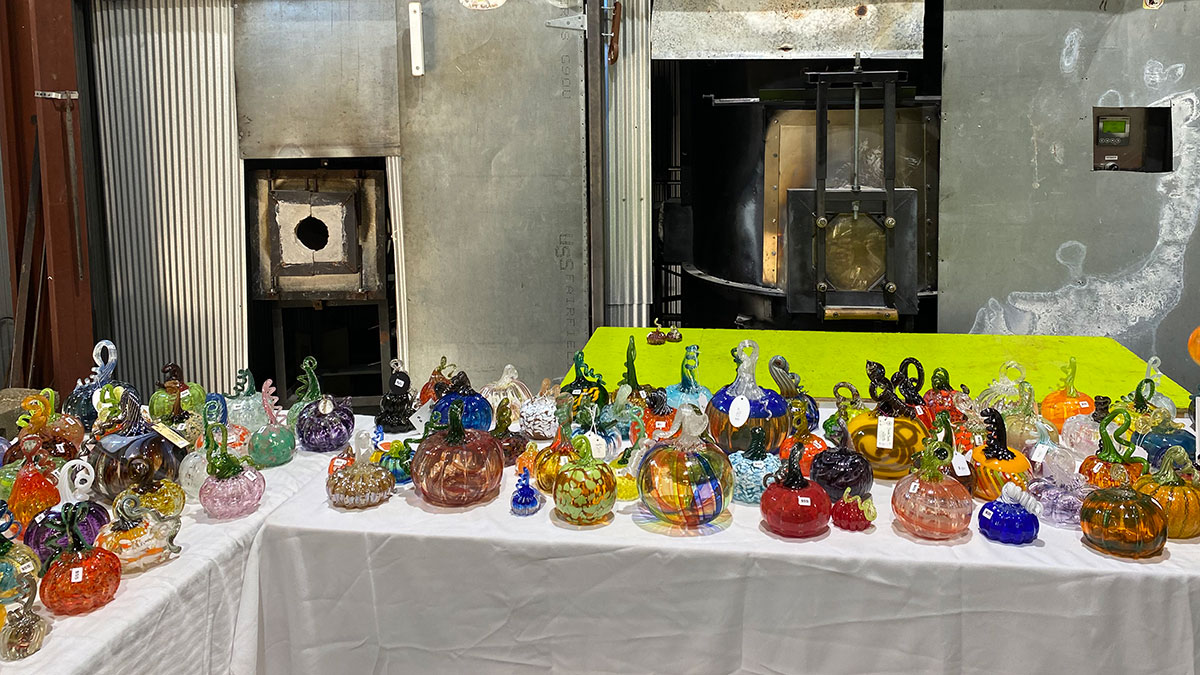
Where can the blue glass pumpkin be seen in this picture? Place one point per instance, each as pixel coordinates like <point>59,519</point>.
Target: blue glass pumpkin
<point>477,412</point>
<point>1158,441</point>
<point>767,408</point>
<point>1011,519</point>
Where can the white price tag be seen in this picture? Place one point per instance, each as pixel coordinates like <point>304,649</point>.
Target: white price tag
<point>804,501</point>
<point>916,485</point>
<point>885,433</point>
<point>660,424</point>
<point>986,513</point>
<point>421,416</point>
<point>26,567</point>
<point>76,575</point>
<point>1097,467</point>
<point>958,462</point>
<point>599,447</point>
<point>1039,452</point>
<point>169,434</point>
<point>739,411</point>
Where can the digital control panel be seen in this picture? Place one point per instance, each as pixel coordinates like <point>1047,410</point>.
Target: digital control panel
<point>1132,139</point>
<point>1111,130</point>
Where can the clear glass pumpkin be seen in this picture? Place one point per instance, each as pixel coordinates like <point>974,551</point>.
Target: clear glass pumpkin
<point>244,407</point>
<point>510,387</point>
<point>140,536</point>
<point>1060,490</point>
<point>23,631</point>
<point>362,484</point>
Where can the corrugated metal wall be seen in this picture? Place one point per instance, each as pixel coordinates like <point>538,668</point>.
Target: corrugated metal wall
<point>173,180</point>
<point>628,238</point>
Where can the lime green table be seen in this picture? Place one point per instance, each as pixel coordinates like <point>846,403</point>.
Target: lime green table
<point>822,359</point>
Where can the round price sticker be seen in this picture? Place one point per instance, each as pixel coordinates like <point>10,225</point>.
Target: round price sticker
<point>739,411</point>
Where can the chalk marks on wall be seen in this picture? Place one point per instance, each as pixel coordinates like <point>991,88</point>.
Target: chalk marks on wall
<point>1155,74</point>
<point>1072,43</point>
<point>1129,304</point>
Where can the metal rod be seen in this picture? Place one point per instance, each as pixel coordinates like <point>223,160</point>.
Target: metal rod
<point>857,106</point>
<point>73,183</point>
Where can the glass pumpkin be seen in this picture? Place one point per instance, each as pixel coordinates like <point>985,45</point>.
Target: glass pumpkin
<point>847,408</point>
<point>624,413</point>
<point>1179,498</point>
<point>74,479</point>
<point>841,468</point>
<point>538,415</point>
<point>244,406</point>
<point>109,413</point>
<point>526,501</point>
<point>509,387</point>
<point>658,415</point>
<point>1163,436</point>
<point>23,632</point>
<point>477,412</point>
<point>684,479</point>
<point>1023,424</point>
<point>852,512</point>
<point>941,397</point>
<point>587,385</point>
<point>801,439</point>
<point>1152,396</point>
<point>140,536</point>
<point>552,458</point>
<point>134,439</point>
<point>308,390</point>
<point>12,551</point>
<point>960,467</point>
<point>512,443</point>
<point>79,577</point>
<point>33,490</point>
<point>887,463</point>
<point>1066,402</point>
<point>585,489</point>
<point>232,489</point>
<point>996,463</point>
<point>1060,490</point>
<point>396,408</point>
<point>792,506</point>
<point>1081,433</point>
<point>166,497</point>
<point>527,459</point>
<point>603,439</point>
<point>791,390</point>
<point>1003,392</point>
<point>273,443</point>
<point>456,466</point>
<point>179,404</point>
<point>1097,469</point>
<point>1011,519</point>
<point>689,389</point>
<point>193,470</point>
<point>439,378</point>
<point>79,404</point>
<point>908,388</point>
<point>326,425</point>
<point>751,467</point>
<point>363,484</point>
<point>1123,522</point>
<point>59,435</point>
<point>729,423</point>
<point>929,505</point>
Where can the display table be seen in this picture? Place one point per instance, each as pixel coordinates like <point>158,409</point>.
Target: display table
<point>177,617</point>
<point>822,358</point>
<point>406,587</point>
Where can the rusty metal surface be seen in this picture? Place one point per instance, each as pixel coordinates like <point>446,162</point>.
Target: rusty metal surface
<point>783,29</point>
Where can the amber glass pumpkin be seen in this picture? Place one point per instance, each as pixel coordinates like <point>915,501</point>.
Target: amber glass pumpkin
<point>1098,469</point>
<point>439,379</point>
<point>996,463</point>
<point>1123,522</point>
<point>585,490</point>
<point>888,463</point>
<point>552,458</point>
<point>61,435</point>
<point>457,466</point>
<point>1179,498</point>
<point>742,405</point>
<point>927,503</point>
<point>1066,402</point>
<point>685,479</point>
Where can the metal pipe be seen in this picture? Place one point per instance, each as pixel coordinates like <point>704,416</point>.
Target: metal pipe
<point>857,102</point>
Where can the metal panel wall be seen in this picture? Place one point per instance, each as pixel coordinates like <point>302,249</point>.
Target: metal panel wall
<point>173,180</point>
<point>627,239</point>
<point>1031,239</point>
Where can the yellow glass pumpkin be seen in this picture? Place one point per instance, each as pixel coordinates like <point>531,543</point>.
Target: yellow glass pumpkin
<point>552,458</point>
<point>1179,498</point>
<point>996,463</point>
<point>908,433</point>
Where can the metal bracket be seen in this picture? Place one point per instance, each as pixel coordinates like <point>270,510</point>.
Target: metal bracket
<point>59,95</point>
<point>416,39</point>
<point>575,22</point>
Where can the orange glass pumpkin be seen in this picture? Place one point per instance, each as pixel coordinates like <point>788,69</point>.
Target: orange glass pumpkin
<point>1123,522</point>
<point>1179,498</point>
<point>33,491</point>
<point>888,463</point>
<point>80,577</point>
<point>927,503</point>
<point>1098,468</point>
<point>552,458</point>
<point>996,463</point>
<point>941,396</point>
<point>440,376</point>
<point>809,443</point>
<point>1067,402</point>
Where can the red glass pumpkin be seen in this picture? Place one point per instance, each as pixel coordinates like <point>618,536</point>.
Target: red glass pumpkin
<point>457,466</point>
<point>81,577</point>
<point>941,397</point>
<point>792,506</point>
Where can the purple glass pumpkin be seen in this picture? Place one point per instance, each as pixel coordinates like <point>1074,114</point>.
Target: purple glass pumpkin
<point>326,425</point>
<point>48,526</point>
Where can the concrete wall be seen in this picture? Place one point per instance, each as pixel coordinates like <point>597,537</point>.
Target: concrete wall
<point>1031,239</point>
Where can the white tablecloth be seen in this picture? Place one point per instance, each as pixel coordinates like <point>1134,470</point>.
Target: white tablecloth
<point>406,587</point>
<point>177,617</point>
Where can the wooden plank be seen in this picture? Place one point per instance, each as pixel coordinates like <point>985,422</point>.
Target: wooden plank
<point>823,358</point>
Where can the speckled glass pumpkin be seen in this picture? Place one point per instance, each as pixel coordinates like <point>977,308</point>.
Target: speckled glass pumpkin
<point>326,425</point>
<point>908,431</point>
<point>928,504</point>
<point>1098,469</point>
<point>767,409</point>
<point>751,467</point>
<point>362,484</point>
<point>1123,522</point>
<point>996,463</point>
<point>585,489</point>
<point>686,480</point>
<point>941,397</point>
<point>457,466</point>
<point>139,536</point>
<point>1179,498</point>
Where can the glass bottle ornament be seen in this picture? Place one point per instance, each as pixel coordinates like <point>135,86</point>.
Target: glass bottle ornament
<point>179,404</point>
<point>60,435</point>
<point>1012,518</point>
<point>1023,424</point>
<point>232,489</point>
<point>941,396</point>
<point>23,630</point>
<point>193,470</point>
<point>165,496</point>
<point>396,407</point>
<point>689,389</point>
<point>587,385</point>
<point>477,412</point>
<point>81,403</point>
<point>457,466</point>
<point>326,424</point>
<point>509,387</point>
<point>1003,392</point>
<point>73,480</point>
<point>1097,469</point>
<point>852,512</point>
<point>538,415</point>
<point>1059,489</point>
<point>512,443</point>
<point>995,462</point>
<point>244,406</point>
<point>273,443</point>
<point>751,466</point>
<point>793,506</point>
<point>439,377</point>
<point>791,389</point>
<point>846,409</point>
<point>685,479</point>
<point>526,501</point>
<point>742,405</point>
<point>658,415</point>
<point>1066,402</point>
<point>1123,522</point>
<point>362,484</point>
<point>308,390</point>
<point>12,550</point>
<point>801,439</point>
<point>842,468</point>
<point>929,505</point>
<point>1081,433</point>
<point>33,490</point>
<point>79,577</point>
<point>890,434</point>
<point>585,489</point>
<point>1179,498</point>
<point>139,535</point>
